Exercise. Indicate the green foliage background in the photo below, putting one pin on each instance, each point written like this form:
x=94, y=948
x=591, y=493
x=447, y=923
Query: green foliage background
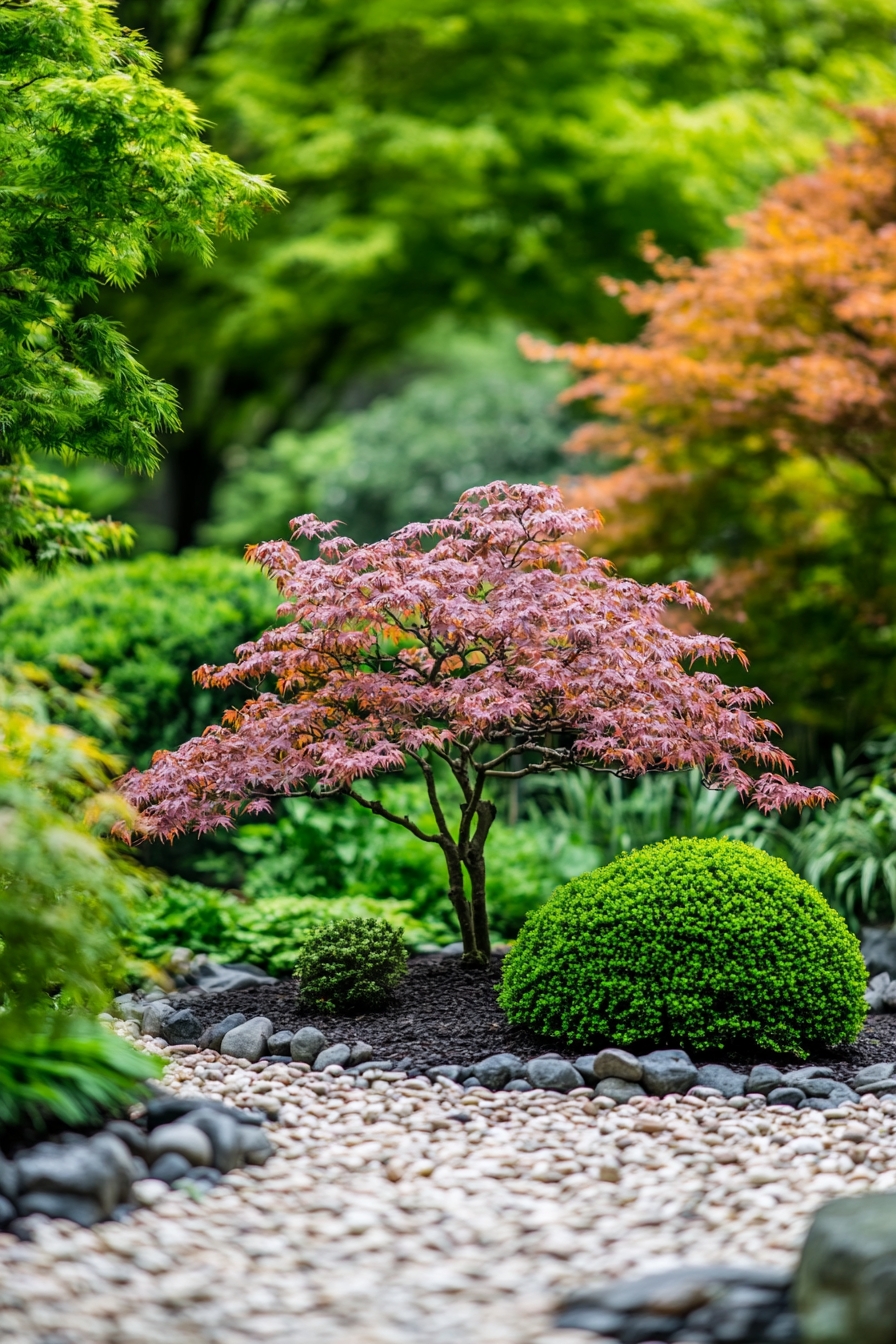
x=454, y=161
x=102, y=166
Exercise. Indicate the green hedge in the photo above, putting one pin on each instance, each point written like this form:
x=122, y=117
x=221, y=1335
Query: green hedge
x=702, y=944
x=144, y=625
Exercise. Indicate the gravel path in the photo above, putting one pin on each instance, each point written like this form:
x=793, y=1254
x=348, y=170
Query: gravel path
x=385, y=1218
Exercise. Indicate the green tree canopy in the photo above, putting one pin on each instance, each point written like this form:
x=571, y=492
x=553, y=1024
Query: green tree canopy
x=101, y=166
x=472, y=412
x=471, y=159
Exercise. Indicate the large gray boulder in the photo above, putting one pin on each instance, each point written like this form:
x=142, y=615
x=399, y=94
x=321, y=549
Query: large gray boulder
x=716, y=1302
x=846, y=1280
x=307, y=1044
x=155, y=1014
x=128, y=1008
x=227, y=1140
x=818, y=1087
x=619, y=1090
x=255, y=1146
x=879, y=987
x=797, y=1077
x=666, y=1071
x=212, y=1037
x=333, y=1054
x=724, y=1080
x=496, y=1071
x=554, y=1075
x=764, y=1078
x=182, y=1027
x=279, y=1043
x=216, y=979
x=81, y=1181
x=249, y=1040
x=610, y=1063
x=187, y=1140
x=875, y=1078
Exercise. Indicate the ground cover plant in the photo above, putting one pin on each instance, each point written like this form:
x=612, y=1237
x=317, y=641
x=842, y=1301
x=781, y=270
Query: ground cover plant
x=701, y=944
x=351, y=964
x=267, y=930
x=495, y=651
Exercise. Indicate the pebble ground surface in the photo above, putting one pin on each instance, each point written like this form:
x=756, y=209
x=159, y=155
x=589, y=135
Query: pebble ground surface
x=406, y=1211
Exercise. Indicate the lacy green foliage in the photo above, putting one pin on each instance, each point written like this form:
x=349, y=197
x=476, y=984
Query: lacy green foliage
x=75, y=1076
x=102, y=166
x=474, y=414
x=37, y=524
x=270, y=930
x=704, y=944
x=64, y=895
x=350, y=964
x=143, y=626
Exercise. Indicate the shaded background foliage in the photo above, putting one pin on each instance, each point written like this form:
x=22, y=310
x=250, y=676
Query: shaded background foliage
x=443, y=160
x=454, y=177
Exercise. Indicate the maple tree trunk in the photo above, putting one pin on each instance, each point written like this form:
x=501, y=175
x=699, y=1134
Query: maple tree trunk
x=472, y=915
x=482, y=945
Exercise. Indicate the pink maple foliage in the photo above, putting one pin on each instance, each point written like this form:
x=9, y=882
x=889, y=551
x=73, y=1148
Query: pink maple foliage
x=480, y=647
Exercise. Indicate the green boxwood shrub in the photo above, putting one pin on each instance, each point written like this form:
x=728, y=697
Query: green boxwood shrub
x=350, y=964
x=707, y=944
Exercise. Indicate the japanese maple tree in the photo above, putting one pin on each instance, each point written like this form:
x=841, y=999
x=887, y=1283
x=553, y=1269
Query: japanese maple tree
x=748, y=433
x=477, y=648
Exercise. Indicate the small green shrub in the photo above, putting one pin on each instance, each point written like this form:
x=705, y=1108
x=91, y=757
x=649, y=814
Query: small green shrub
x=706, y=944
x=350, y=964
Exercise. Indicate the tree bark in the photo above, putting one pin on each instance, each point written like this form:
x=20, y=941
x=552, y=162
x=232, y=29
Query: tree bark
x=472, y=915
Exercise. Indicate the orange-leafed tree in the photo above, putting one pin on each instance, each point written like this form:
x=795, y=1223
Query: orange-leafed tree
x=747, y=438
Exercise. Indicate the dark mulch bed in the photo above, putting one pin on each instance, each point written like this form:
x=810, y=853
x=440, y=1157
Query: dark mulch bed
x=443, y=1013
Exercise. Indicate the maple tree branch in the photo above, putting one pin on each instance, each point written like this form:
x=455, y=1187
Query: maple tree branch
x=470, y=810
x=378, y=810
x=460, y=769
x=434, y=802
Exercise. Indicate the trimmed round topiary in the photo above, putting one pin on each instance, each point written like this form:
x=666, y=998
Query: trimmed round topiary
x=708, y=944
x=350, y=964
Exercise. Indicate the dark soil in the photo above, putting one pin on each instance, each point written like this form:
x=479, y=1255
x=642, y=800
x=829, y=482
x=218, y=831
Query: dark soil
x=443, y=1013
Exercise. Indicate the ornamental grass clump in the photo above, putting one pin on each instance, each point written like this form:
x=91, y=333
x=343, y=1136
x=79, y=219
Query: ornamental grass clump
x=702, y=944
x=350, y=964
